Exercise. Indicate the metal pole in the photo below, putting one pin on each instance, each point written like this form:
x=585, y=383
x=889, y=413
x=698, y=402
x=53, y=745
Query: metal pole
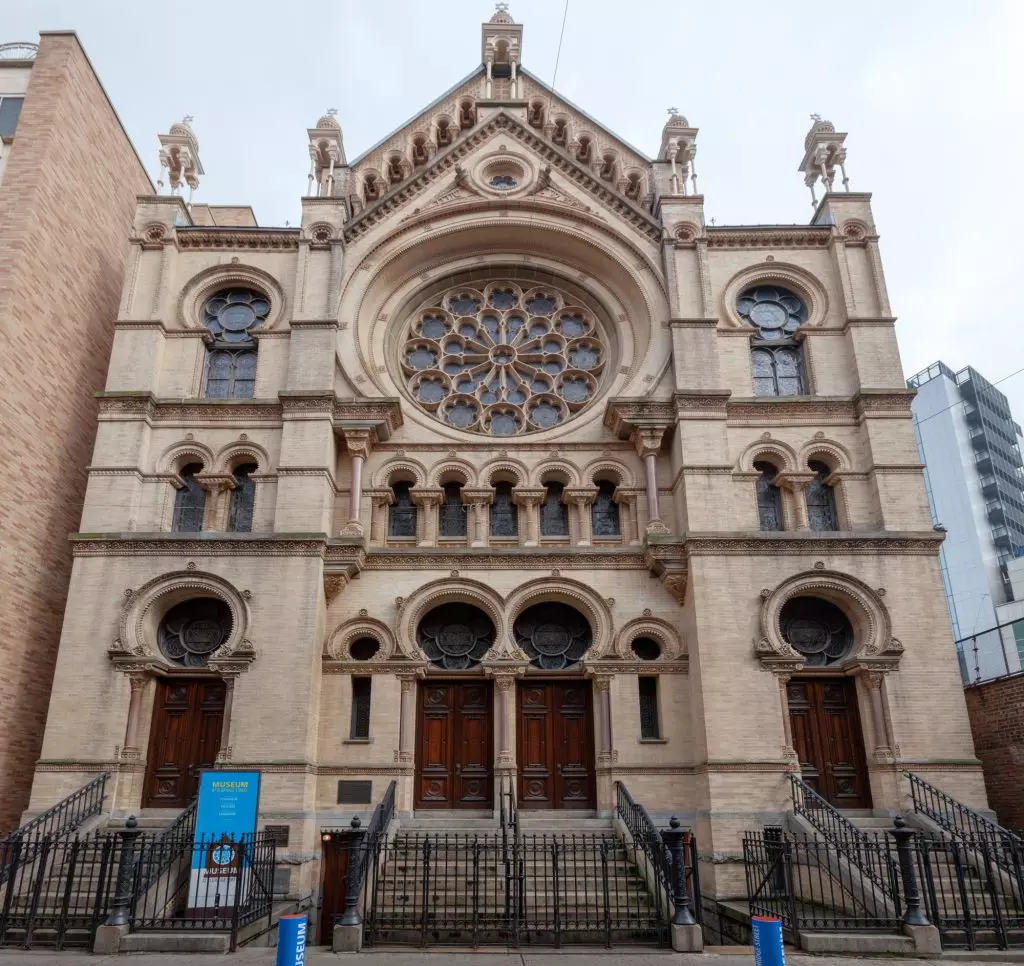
x=355, y=837
x=905, y=853
x=125, y=888
x=673, y=838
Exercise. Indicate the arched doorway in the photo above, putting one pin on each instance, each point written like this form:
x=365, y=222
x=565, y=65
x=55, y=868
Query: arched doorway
x=454, y=750
x=555, y=730
x=188, y=711
x=823, y=713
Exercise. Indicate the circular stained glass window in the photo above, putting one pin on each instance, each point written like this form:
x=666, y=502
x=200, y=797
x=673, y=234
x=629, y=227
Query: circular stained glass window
x=503, y=358
x=193, y=630
x=817, y=629
x=553, y=636
x=455, y=636
x=232, y=313
x=775, y=312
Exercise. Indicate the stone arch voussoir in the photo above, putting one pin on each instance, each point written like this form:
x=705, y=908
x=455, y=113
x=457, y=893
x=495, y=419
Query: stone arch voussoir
x=565, y=591
x=449, y=590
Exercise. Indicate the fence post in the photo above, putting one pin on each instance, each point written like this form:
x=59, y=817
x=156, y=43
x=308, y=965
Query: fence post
x=348, y=930
x=687, y=936
x=905, y=853
x=124, y=888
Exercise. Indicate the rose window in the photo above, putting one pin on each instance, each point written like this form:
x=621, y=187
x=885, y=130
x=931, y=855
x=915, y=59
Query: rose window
x=193, y=630
x=504, y=359
x=774, y=311
x=553, y=636
x=817, y=629
x=455, y=636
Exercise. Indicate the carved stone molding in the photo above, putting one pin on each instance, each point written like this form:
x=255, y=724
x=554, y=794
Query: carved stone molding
x=338, y=644
x=176, y=544
x=768, y=237
x=218, y=239
x=144, y=405
x=512, y=558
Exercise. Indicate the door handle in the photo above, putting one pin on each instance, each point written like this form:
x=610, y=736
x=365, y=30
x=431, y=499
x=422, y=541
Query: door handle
x=558, y=769
x=458, y=768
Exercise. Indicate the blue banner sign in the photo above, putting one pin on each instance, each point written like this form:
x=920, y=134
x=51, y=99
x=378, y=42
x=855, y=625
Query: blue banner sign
x=225, y=820
x=291, y=940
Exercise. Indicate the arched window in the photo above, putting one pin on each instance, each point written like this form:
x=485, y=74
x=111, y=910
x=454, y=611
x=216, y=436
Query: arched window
x=776, y=357
x=189, y=502
x=243, y=496
x=231, y=315
x=604, y=514
x=554, y=514
x=453, y=512
x=402, y=513
x=504, y=513
x=769, y=499
x=817, y=629
x=821, y=499
x=192, y=630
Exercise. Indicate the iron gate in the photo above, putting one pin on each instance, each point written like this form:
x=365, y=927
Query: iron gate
x=455, y=888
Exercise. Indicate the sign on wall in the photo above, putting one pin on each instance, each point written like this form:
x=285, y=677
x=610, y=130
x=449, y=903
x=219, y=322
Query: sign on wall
x=225, y=821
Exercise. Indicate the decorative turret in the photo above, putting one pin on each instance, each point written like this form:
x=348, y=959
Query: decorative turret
x=179, y=154
x=501, y=47
x=679, y=148
x=326, y=152
x=824, y=151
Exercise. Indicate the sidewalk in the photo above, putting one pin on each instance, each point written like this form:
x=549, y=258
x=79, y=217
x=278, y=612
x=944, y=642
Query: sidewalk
x=743, y=956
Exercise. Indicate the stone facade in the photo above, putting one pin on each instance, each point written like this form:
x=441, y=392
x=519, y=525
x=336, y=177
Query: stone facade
x=996, y=709
x=70, y=180
x=502, y=181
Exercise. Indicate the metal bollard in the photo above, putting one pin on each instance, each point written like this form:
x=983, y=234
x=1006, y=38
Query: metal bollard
x=673, y=838
x=124, y=888
x=905, y=853
x=355, y=838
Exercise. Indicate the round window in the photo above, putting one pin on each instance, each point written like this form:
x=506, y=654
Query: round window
x=774, y=311
x=503, y=359
x=192, y=630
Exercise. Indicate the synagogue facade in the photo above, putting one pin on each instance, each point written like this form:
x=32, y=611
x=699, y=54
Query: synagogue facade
x=507, y=464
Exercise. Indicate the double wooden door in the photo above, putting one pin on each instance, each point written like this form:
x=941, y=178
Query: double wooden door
x=454, y=753
x=555, y=739
x=185, y=737
x=828, y=739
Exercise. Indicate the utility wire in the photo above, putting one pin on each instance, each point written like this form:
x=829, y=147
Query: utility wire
x=963, y=402
x=558, y=53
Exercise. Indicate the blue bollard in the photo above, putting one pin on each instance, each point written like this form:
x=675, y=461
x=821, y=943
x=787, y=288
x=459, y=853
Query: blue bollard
x=768, y=949
x=291, y=940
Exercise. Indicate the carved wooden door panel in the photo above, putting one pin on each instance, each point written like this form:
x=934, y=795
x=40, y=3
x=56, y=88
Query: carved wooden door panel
x=828, y=739
x=454, y=754
x=555, y=745
x=184, y=738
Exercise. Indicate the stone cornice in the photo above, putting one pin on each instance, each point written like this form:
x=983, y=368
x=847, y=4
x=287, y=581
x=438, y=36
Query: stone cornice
x=207, y=544
x=660, y=549
x=768, y=236
x=383, y=415
x=511, y=558
x=237, y=237
x=114, y=406
x=886, y=404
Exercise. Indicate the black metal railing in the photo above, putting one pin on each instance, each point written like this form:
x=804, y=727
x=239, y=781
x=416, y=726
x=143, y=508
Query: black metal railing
x=442, y=889
x=68, y=814
x=213, y=885
x=810, y=884
x=57, y=889
x=181, y=830
x=852, y=843
x=644, y=833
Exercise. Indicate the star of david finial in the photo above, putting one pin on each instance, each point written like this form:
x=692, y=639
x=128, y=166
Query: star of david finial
x=815, y=117
x=188, y=119
x=501, y=8
x=673, y=111
x=332, y=111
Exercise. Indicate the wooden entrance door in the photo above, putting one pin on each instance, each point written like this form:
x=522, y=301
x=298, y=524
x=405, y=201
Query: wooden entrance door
x=454, y=754
x=555, y=742
x=333, y=887
x=187, y=719
x=828, y=739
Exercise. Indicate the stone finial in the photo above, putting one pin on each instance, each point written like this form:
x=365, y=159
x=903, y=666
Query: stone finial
x=179, y=154
x=326, y=153
x=679, y=148
x=824, y=151
x=501, y=50
x=501, y=14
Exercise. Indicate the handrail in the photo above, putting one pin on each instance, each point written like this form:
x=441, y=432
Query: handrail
x=958, y=819
x=68, y=814
x=837, y=829
x=184, y=829
x=645, y=834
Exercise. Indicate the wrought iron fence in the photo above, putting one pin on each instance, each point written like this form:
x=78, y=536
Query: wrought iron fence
x=57, y=889
x=68, y=814
x=454, y=889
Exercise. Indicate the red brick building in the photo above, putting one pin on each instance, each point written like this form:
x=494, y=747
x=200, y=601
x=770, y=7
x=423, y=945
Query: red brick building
x=69, y=177
x=996, y=709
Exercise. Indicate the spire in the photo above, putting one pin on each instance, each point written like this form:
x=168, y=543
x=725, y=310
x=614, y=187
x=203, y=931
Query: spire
x=179, y=154
x=501, y=46
x=679, y=147
x=824, y=151
x=326, y=153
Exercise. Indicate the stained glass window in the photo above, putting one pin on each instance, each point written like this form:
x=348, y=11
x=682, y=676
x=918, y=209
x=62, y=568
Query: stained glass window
x=243, y=496
x=554, y=514
x=192, y=630
x=504, y=513
x=402, y=512
x=455, y=636
x=231, y=316
x=821, y=499
x=817, y=629
x=769, y=499
x=503, y=359
x=776, y=357
x=646, y=649
x=360, y=726
x=452, y=513
x=604, y=513
x=189, y=502
x=650, y=727
x=554, y=636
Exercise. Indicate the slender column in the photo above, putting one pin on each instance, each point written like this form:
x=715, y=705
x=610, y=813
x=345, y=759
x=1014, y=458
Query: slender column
x=882, y=747
x=218, y=487
x=647, y=440
x=428, y=501
x=529, y=502
x=628, y=515
x=504, y=685
x=407, y=722
x=359, y=442
x=225, y=729
x=603, y=687
x=131, y=732
x=796, y=483
x=650, y=466
x=787, y=726
x=582, y=501
x=381, y=500
x=477, y=502
x=355, y=493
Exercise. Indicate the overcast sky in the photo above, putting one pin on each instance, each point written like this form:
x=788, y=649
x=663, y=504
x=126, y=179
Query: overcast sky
x=929, y=91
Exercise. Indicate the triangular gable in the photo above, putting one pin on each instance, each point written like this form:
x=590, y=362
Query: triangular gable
x=552, y=156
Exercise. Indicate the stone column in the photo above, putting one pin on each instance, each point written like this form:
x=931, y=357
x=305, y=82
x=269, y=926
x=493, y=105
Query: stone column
x=647, y=441
x=428, y=502
x=477, y=501
x=787, y=728
x=504, y=693
x=630, y=525
x=605, y=748
x=582, y=500
x=218, y=487
x=407, y=719
x=380, y=500
x=359, y=443
x=137, y=682
x=529, y=502
x=883, y=742
x=225, y=729
x=795, y=484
